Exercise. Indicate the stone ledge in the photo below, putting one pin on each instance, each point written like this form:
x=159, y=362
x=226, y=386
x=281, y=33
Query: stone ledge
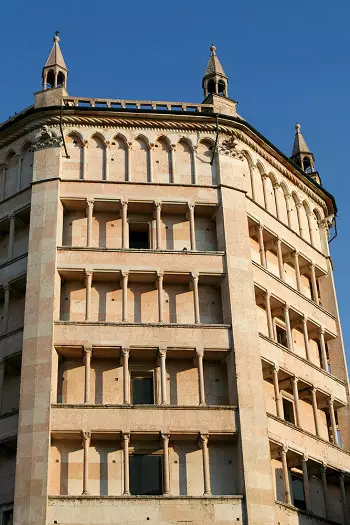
x=309, y=434
x=145, y=498
x=310, y=515
x=305, y=361
x=134, y=250
x=171, y=184
x=145, y=407
x=144, y=325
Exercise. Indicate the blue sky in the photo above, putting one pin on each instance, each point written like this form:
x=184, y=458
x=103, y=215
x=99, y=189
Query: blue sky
x=287, y=62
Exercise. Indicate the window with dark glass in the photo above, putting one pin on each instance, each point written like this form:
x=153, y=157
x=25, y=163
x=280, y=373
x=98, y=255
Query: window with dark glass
x=139, y=235
x=298, y=492
x=281, y=335
x=288, y=410
x=145, y=475
x=142, y=390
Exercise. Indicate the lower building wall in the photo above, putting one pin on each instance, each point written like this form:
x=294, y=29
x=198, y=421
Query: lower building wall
x=189, y=511
x=287, y=516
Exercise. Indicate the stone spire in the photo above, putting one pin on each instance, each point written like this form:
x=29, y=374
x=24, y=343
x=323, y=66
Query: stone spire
x=301, y=154
x=215, y=81
x=55, y=70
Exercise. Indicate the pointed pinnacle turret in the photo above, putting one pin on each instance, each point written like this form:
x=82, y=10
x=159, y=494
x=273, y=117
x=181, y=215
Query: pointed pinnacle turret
x=215, y=80
x=55, y=70
x=301, y=154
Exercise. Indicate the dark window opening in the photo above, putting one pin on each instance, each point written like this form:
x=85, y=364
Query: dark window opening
x=211, y=86
x=7, y=517
x=50, y=79
x=281, y=335
x=307, y=165
x=221, y=88
x=139, y=236
x=142, y=388
x=288, y=410
x=145, y=475
x=298, y=492
x=60, y=79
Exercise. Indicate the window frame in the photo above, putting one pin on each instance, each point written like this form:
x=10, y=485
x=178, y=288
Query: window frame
x=143, y=371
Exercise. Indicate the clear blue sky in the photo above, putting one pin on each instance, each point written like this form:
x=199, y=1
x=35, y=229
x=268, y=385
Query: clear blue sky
x=287, y=62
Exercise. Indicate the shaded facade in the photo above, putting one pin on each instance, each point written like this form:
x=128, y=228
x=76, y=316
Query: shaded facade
x=170, y=345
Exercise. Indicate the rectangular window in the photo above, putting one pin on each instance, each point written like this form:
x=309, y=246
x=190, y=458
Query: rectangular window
x=298, y=492
x=139, y=237
x=281, y=335
x=145, y=475
x=288, y=410
x=142, y=389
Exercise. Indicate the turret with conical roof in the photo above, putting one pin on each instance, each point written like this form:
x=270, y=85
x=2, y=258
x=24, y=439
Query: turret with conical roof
x=302, y=156
x=55, y=70
x=215, y=81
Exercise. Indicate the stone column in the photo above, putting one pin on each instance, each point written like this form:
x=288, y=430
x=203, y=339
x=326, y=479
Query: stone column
x=160, y=277
x=11, y=243
x=288, y=327
x=2, y=181
x=192, y=227
x=19, y=172
x=278, y=400
x=325, y=489
x=264, y=178
x=323, y=350
x=2, y=375
x=150, y=161
x=330, y=402
x=165, y=441
x=269, y=314
x=158, y=206
x=261, y=245
x=125, y=276
x=5, y=316
x=203, y=441
x=162, y=356
x=195, y=279
x=311, y=221
x=306, y=337
x=125, y=226
x=126, y=376
x=296, y=401
x=298, y=206
x=343, y=498
x=172, y=162
x=314, y=408
x=126, y=441
x=88, y=284
x=84, y=155
x=306, y=483
x=285, y=475
x=194, y=165
x=314, y=284
x=86, y=445
x=87, y=362
x=200, y=355
x=129, y=162
x=107, y=160
x=276, y=190
x=297, y=270
x=280, y=259
x=89, y=212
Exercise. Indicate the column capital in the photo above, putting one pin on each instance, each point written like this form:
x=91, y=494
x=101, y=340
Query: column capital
x=200, y=352
x=165, y=437
x=173, y=147
x=296, y=253
x=260, y=226
x=162, y=352
x=305, y=318
x=323, y=468
x=288, y=195
x=160, y=275
x=295, y=379
x=125, y=436
x=86, y=435
x=90, y=203
x=286, y=307
x=305, y=457
x=158, y=204
x=150, y=146
x=342, y=474
x=203, y=439
x=284, y=448
x=322, y=330
x=87, y=350
x=125, y=352
x=298, y=204
x=125, y=274
x=312, y=265
x=190, y=206
x=330, y=400
x=194, y=276
x=276, y=185
x=276, y=367
x=264, y=176
x=88, y=273
x=2, y=364
x=278, y=240
x=124, y=204
x=313, y=390
x=12, y=216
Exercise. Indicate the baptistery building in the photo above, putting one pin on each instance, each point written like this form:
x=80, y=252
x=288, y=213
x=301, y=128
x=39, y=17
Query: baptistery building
x=170, y=347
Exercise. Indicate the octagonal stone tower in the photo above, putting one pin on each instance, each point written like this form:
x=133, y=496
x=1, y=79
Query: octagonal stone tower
x=169, y=318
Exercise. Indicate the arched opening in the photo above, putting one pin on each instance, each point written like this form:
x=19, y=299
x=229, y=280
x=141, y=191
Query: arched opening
x=140, y=161
x=11, y=174
x=304, y=221
x=50, y=79
x=73, y=166
x=27, y=157
x=206, y=173
x=162, y=161
x=96, y=152
x=222, y=88
x=211, y=87
x=248, y=175
x=61, y=79
x=259, y=195
x=307, y=165
x=118, y=159
x=318, y=230
x=283, y=208
x=184, y=162
x=270, y=194
x=295, y=221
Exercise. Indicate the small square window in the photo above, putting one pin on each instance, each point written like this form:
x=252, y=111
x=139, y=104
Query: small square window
x=281, y=335
x=288, y=410
x=142, y=389
x=139, y=237
x=145, y=474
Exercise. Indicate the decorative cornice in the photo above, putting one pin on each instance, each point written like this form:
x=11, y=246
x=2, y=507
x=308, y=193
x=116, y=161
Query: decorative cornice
x=47, y=138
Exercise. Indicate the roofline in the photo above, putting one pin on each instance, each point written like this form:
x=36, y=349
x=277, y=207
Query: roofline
x=31, y=110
